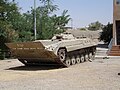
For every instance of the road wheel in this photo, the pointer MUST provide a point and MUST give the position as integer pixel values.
(73, 61)
(67, 62)
(90, 57)
(78, 59)
(62, 55)
(86, 57)
(82, 59)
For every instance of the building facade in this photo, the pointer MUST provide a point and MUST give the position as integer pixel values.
(116, 22)
(114, 50)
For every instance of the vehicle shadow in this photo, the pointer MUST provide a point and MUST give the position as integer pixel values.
(36, 68)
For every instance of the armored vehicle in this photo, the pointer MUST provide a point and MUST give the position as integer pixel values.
(63, 49)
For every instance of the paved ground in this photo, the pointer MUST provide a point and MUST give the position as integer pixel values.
(101, 74)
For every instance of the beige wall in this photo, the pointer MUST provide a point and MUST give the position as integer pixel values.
(116, 16)
(116, 10)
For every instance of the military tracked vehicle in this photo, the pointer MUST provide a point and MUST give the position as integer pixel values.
(63, 49)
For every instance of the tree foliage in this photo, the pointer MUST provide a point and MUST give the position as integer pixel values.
(106, 34)
(48, 23)
(8, 10)
(15, 26)
(95, 26)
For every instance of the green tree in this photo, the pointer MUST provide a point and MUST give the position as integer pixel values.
(6, 28)
(19, 27)
(95, 26)
(49, 23)
(63, 19)
(25, 27)
(45, 21)
(7, 32)
(83, 29)
(106, 34)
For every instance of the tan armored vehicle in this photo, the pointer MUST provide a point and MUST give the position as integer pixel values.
(63, 49)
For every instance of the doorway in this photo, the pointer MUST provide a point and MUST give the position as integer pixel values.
(118, 31)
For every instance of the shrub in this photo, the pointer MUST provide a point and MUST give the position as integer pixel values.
(2, 55)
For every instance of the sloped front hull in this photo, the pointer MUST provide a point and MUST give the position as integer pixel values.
(32, 51)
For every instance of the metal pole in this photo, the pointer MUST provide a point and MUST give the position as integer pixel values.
(35, 18)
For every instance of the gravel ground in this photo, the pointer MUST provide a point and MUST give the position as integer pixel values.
(101, 74)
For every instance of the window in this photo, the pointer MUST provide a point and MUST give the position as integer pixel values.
(118, 1)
